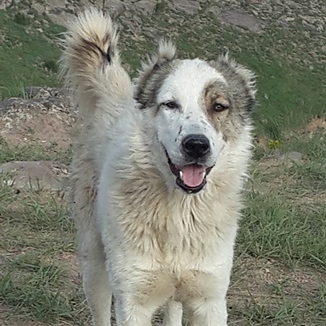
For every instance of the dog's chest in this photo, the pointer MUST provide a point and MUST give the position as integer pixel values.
(176, 237)
(176, 231)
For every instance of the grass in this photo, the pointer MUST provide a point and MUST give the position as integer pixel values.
(33, 152)
(284, 231)
(28, 56)
(280, 265)
(35, 283)
(285, 216)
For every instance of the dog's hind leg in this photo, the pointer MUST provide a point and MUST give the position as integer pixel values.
(95, 278)
(173, 314)
(83, 181)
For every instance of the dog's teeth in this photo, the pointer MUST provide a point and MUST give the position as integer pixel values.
(180, 174)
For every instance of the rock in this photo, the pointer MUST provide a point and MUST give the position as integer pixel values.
(241, 19)
(114, 7)
(188, 6)
(60, 16)
(55, 3)
(214, 12)
(34, 175)
(56, 10)
(293, 4)
(5, 4)
(294, 156)
(146, 7)
(39, 7)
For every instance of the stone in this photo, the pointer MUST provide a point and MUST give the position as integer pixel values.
(4, 4)
(146, 6)
(241, 19)
(39, 7)
(56, 3)
(188, 6)
(60, 16)
(115, 7)
(295, 156)
(214, 12)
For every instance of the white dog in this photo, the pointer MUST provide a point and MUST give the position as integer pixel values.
(156, 177)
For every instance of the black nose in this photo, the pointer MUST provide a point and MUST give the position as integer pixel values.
(196, 146)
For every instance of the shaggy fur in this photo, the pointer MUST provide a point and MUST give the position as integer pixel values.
(156, 177)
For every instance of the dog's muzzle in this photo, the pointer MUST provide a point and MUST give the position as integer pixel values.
(191, 178)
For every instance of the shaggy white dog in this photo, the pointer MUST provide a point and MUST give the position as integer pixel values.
(156, 177)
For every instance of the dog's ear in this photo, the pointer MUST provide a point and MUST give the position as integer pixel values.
(241, 83)
(166, 53)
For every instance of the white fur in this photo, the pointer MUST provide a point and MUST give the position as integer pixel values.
(141, 238)
(186, 85)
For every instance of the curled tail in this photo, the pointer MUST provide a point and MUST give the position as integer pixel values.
(91, 63)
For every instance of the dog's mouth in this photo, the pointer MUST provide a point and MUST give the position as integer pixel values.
(190, 178)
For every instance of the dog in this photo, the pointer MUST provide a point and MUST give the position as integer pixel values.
(156, 177)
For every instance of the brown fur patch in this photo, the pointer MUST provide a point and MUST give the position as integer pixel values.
(219, 108)
(215, 95)
(241, 86)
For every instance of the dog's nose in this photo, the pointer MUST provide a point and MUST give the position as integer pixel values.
(196, 145)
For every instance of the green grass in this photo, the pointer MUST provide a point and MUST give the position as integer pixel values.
(285, 231)
(27, 57)
(288, 96)
(285, 216)
(283, 235)
(37, 289)
(34, 233)
(33, 152)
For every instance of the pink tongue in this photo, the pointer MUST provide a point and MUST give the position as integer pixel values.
(192, 175)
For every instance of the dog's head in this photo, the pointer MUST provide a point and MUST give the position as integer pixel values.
(197, 108)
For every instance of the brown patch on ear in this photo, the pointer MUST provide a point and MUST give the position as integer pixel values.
(150, 70)
(219, 107)
(241, 85)
(216, 101)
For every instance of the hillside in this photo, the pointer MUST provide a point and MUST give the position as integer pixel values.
(279, 275)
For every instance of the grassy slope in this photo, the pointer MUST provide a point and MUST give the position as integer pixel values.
(27, 57)
(284, 223)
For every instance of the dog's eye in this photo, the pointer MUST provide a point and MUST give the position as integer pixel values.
(172, 105)
(218, 107)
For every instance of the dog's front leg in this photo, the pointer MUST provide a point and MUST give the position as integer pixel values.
(138, 295)
(173, 314)
(204, 293)
(207, 312)
(130, 313)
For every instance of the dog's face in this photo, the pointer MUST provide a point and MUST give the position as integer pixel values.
(197, 108)
(185, 122)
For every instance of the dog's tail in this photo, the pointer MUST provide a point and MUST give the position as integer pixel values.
(91, 63)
